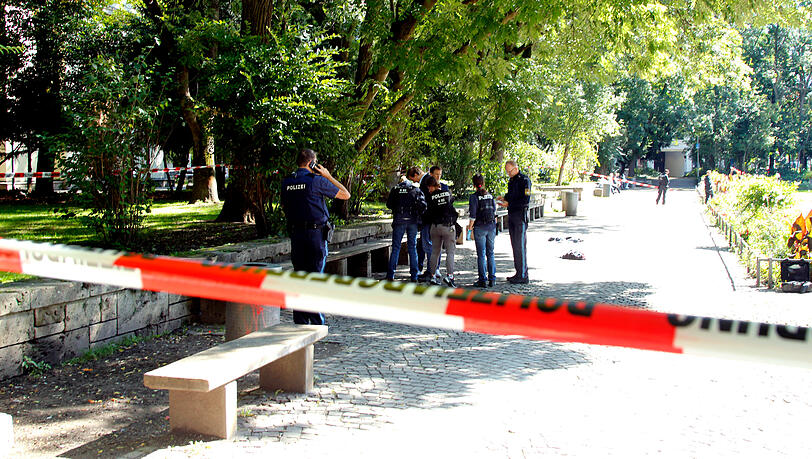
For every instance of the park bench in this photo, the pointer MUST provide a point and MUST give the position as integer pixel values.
(577, 188)
(359, 260)
(203, 387)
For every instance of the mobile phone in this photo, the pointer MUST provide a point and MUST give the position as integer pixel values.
(313, 165)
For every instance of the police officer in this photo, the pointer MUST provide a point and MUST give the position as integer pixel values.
(424, 249)
(517, 201)
(442, 216)
(482, 213)
(408, 204)
(303, 194)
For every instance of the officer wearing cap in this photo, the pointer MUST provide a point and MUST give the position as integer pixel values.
(517, 201)
(303, 194)
(407, 203)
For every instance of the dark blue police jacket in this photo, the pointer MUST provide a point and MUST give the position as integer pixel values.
(518, 195)
(303, 194)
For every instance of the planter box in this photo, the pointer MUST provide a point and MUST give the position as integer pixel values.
(794, 270)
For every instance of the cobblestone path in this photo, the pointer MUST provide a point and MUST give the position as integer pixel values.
(388, 390)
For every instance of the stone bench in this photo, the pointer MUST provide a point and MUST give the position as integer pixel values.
(559, 189)
(535, 211)
(359, 260)
(203, 387)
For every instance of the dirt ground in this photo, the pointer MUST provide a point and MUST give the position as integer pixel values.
(101, 408)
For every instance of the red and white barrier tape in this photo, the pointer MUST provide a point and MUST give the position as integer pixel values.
(625, 180)
(56, 174)
(415, 304)
(30, 175)
(738, 171)
(178, 169)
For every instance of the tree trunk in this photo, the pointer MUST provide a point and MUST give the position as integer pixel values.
(563, 163)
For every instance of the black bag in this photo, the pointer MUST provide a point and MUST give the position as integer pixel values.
(327, 230)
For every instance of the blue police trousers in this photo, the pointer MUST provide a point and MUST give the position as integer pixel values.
(517, 227)
(308, 252)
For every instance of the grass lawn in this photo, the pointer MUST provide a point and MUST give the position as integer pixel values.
(41, 223)
(168, 220)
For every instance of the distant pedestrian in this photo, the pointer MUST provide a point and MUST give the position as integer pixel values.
(303, 194)
(708, 187)
(662, 186)
(408, 205)
(482, 212)
(517, 201)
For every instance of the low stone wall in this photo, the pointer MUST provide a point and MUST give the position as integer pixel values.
(51, 321)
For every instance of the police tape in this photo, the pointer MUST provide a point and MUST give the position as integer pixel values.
(625, 180)
(417, 304)
(193, 168)
(30, 175)
(738, 171)
(57, 174)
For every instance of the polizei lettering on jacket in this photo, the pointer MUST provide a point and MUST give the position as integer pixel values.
(442, 197)
(296, 186)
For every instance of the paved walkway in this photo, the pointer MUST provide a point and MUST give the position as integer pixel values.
(387, 390)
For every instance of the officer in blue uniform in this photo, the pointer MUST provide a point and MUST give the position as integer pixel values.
(424, 249)
(482, 213)
(517, 201)
(303, 194)
(407, 203)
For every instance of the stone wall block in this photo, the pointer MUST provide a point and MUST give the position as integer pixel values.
(102, 331)
(108, 306)
(179, 310)
(172, 299)
(62, 346)
(49, 315)
(50, 292)
(99, 289)
(137, 310)
(11, 357)
(14, 299)
(16, 328)
(80, 314)
(48, 330)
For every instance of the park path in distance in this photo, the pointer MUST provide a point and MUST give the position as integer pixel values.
(390, 390)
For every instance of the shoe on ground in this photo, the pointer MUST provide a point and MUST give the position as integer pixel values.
(491, 282)
(434, 281)
(519, 280)
(449, 280)
(413, 279)
(512, 277)
(479, 284)
(422, 277)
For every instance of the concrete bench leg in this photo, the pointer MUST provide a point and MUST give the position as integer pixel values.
(209, 413)
(292, 373)
(380, 259)
(338, 267)
(360, 265)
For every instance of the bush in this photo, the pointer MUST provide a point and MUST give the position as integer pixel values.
(115, 114)
(758, 208)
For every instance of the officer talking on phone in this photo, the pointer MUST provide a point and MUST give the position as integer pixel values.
(303, 194)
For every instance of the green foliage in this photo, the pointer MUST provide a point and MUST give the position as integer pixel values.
(34, 368)
(115, 114)
(758, 207)
(756, 195)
